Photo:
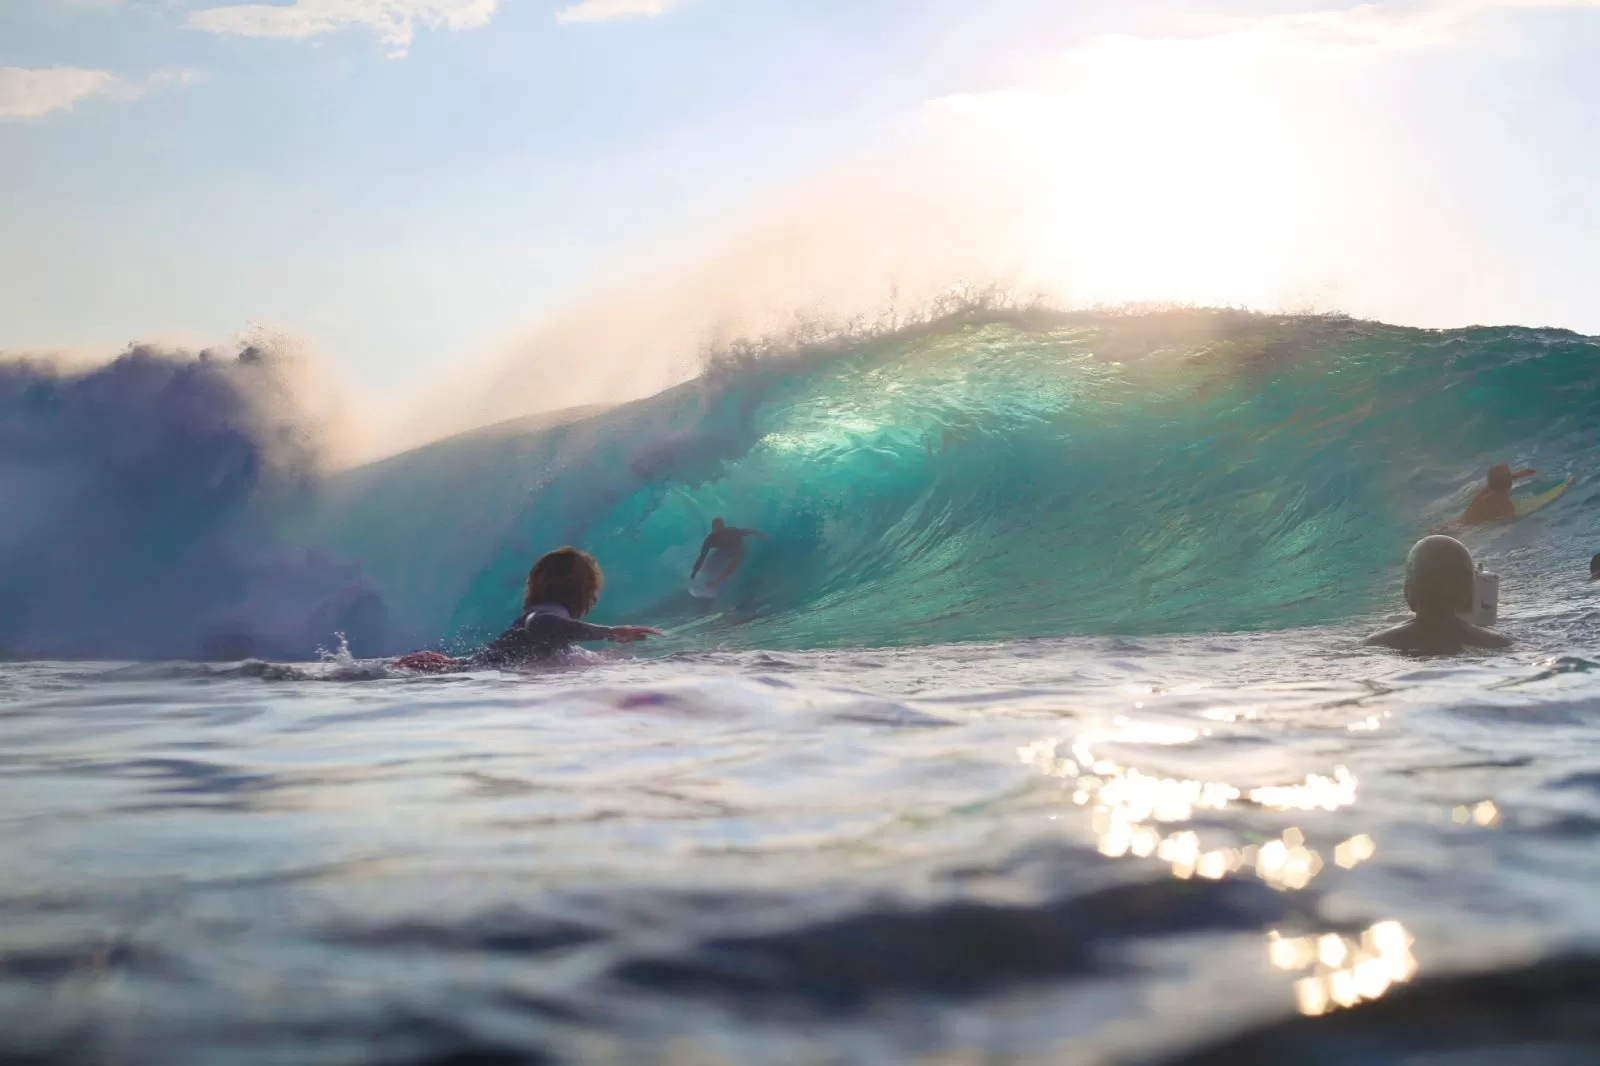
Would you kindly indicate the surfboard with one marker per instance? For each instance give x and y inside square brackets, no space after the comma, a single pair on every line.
[700,586]
[706,619]
[1527,505]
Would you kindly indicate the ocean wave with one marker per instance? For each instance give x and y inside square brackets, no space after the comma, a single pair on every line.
[991,475]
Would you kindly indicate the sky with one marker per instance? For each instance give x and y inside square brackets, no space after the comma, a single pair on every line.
[413,187]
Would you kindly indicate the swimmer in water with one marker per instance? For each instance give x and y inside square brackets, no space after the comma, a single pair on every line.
[1493,503]
[1440,586]
[726,540]
[563,586]
[1594,567]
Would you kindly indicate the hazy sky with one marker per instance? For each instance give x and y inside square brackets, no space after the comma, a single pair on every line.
[409,182]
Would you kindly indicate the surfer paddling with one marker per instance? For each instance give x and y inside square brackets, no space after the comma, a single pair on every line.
[1441,585]
[728,542]
[563,586]
[1493,502]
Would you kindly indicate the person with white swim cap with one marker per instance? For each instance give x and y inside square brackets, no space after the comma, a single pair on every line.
[1441,585]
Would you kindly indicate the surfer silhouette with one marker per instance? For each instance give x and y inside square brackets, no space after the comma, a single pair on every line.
[1441,585]
[563,586]
[1493,502]
[728,544]
[1594,567]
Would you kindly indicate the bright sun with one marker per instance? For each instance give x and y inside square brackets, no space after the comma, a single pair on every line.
[1158,171]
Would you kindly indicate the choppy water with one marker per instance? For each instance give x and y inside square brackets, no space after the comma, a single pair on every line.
[1074,850]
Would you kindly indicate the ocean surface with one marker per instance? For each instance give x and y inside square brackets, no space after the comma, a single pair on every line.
[1038,732]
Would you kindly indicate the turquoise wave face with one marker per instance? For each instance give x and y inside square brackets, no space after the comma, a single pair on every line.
[989,477]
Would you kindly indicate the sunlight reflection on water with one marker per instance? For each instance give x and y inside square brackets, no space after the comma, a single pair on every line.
[1127,805]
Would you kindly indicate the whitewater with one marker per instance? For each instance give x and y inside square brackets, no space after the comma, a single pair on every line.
[1040,729]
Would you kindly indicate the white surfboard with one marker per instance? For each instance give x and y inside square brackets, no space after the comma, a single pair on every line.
[700,586]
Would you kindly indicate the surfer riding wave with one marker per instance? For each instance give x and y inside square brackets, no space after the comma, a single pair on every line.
[727,542]
[1493,502]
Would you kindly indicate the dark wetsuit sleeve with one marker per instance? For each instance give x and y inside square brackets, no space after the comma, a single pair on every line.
[553,629]
[538,636]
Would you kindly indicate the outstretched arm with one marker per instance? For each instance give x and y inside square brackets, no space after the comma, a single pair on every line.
[705,549]
[569,630]
[752,533]
[1525,473]
[573,631]
[629,634]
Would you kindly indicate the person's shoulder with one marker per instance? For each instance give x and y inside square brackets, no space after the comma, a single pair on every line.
[1401,637]
[1479,637]
[1415,638]
[1436,640]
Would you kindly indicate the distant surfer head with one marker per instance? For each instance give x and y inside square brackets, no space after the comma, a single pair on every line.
[1439,576]
[716,525]
[566,576]
[1493,502]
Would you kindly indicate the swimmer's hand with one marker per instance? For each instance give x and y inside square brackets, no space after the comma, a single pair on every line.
[629,634]
[426,662]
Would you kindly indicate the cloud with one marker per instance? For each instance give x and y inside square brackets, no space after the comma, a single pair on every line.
[1482,5]
[181,79]
[34,93]
[609,10]
[1389,26]
[393,21]
[1359,30]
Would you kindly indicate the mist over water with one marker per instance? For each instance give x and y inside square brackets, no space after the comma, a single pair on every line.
[138,497]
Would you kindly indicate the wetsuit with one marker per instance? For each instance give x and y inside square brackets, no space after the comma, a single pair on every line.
[544,631]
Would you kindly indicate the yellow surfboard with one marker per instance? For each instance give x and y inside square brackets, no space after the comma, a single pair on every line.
[1526,505]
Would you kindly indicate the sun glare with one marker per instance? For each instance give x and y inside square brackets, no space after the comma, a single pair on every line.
[1159,171]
